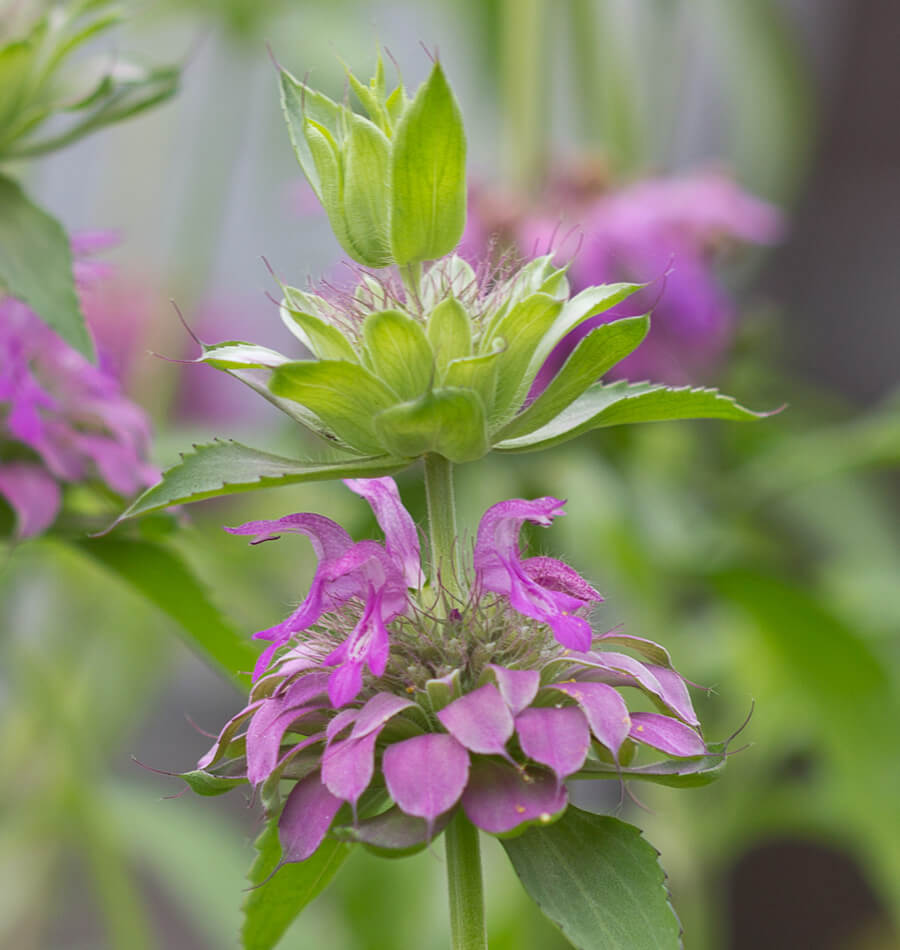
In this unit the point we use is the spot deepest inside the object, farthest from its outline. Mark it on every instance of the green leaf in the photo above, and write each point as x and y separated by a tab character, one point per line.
224	468
366	195
596	353
36	266
399	352
344	395
209	785
519	332
449	333
166	580
449	422
428	174
478	373
675	773
599	881
299	102
235	354
583	306
624	403
271	907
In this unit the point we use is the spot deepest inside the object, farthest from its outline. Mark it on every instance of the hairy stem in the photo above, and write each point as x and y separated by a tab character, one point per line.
442	522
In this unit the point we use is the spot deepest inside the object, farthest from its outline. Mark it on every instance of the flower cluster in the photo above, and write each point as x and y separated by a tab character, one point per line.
659	226
386	696
62	419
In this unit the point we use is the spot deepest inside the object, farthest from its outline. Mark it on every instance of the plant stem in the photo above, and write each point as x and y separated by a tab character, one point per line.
467	922
442	522
464	883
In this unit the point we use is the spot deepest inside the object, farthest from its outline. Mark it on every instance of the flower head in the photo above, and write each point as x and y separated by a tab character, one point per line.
378	696
62	419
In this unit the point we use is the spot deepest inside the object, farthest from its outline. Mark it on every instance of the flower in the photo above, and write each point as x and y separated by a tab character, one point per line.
390	705
62	419
664	226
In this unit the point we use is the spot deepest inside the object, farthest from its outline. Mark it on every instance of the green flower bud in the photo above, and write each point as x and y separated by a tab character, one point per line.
393	182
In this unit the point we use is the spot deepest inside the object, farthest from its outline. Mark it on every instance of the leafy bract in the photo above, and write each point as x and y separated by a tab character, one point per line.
624	403
599	881
36	265
224	468
279	897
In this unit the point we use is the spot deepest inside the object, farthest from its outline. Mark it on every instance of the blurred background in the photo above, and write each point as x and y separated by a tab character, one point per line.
751	148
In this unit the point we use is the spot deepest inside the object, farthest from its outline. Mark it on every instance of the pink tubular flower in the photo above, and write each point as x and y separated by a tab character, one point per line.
62	419
378	687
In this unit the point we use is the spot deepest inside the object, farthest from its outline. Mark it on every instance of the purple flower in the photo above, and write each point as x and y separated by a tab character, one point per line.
378	687
62	419
666	226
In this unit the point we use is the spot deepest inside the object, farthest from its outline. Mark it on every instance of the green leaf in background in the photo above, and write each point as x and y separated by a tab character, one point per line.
428	174
623	403
36	266
271	907
166	580
449	422
224	468
599	881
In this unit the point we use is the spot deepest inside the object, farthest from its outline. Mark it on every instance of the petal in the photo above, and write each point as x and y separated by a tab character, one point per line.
605	710
517	687
480	720
264	737
394	831
228	733
377	711
666	734
306	818
498	798
341	721
329	540
557	738
348	766
400	536
675	693
33	495
426	775
345	683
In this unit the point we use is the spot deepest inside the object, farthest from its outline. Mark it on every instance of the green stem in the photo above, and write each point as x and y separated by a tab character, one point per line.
442	521
467	922
464	882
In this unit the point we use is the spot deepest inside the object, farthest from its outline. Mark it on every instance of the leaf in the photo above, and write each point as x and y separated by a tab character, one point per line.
224	468
235	354
209	785
428	174
366	193
344	395
165	579
271	907
320	338
623	403
449	332
399	352
393	833
449	422
36	266
596	353
675	773
599	881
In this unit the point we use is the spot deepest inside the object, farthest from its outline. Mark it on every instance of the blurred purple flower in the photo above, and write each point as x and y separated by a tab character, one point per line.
482	707
663	232
63	419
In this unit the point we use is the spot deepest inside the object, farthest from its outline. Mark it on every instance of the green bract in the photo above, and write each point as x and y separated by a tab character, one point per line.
392	182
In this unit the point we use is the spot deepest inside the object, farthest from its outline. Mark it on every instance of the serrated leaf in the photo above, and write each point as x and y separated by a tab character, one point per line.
271	907
224	468
596	353
450	422
344	395
624	403
599	881
399	352
36	266
166	580
428	174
